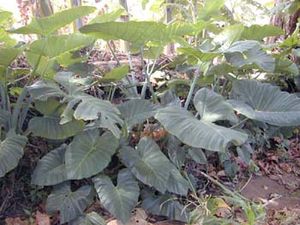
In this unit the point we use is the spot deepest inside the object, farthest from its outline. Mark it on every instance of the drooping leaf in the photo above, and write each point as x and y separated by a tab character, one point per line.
89	153
286	66
266	103
121	199
212	106
90	108
115	74
198	54
44	66
164	205
210	9
148	163
257	32
197	155
91	218
54	46
69	204
51	170
108	17
7	55
136	111
50	24
229	35
49	127
11	151
137	32
198	133
249	52
42	90
177	183
175	152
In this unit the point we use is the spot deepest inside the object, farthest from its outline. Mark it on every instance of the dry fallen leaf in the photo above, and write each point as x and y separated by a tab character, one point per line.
42	218
138	218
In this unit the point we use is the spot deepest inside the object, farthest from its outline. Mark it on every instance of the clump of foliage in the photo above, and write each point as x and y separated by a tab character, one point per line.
94	137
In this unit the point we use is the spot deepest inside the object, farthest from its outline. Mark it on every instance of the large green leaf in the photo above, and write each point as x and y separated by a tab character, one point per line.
148	163
49	127
210	9
212	106
121	199
197	155
89	153
164	205
136	111
50	169
48	25
11	151
69	204
198	54
43	89
91	218
177	183
7	55
90	108
243	53
198	133
115	74
83	106
257	32
54	46
138	33
44	66
108	17
266	103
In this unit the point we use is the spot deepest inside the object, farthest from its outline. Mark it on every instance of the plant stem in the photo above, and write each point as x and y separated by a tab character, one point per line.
191	91
113	53
240	123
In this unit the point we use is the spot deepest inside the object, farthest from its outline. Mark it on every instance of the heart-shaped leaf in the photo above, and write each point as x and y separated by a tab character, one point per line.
49	127
198	133
212	106
266	103
11	151
89	153
136	111
51	169
148	163
121	199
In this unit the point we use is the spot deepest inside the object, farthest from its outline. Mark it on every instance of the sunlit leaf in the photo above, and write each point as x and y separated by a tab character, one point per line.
50	24
266	103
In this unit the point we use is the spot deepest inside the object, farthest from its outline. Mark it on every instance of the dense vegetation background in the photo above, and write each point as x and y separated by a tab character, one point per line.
145	111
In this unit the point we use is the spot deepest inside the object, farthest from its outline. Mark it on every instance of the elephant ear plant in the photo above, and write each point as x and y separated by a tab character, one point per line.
99	148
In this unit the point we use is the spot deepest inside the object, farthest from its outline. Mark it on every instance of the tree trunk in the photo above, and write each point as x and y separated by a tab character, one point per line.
78	23
170	48
43	8
124	45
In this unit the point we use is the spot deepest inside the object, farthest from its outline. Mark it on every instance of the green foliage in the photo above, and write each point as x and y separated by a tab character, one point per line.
121	199
47	25
266	103
11	151
88	149
109	143
70	204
